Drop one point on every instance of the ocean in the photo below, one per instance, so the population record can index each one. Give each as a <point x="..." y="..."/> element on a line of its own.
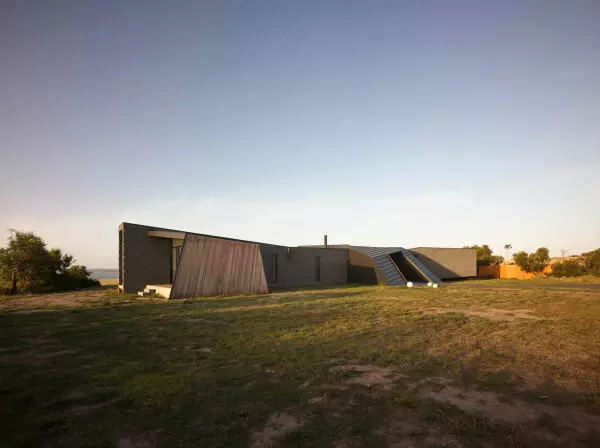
<point x="105" y="274"/>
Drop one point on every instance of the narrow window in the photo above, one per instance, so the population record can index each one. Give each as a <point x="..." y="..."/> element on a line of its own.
<point x="274" y="268"/>
<point x="318" y="268"/>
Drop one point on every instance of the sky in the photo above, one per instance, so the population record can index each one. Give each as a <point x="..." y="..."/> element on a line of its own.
<point x="400" y="123"/>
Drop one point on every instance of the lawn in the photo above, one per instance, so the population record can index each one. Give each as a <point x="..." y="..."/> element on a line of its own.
<point x="499" y="363"/>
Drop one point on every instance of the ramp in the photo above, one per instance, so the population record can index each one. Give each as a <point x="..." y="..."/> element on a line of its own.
<point x="397" y="265"/>
<point x="389" y="270"/>
<point x="412" y="269"/>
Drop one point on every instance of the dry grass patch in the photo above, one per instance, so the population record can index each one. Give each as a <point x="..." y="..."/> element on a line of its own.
<point x="454" y="366"/>
<point x="276" y="427"/>
<point x="489" y="313"/>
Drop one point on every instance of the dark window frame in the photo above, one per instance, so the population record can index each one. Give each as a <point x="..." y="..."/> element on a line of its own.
<point x="318" y="268"/>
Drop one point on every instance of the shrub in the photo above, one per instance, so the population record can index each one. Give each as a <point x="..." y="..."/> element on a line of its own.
<point x="591" y="262"/>
<point x="26" y="264"/>
<point x="485" y="257"/>
<point x="535" y="262"/>
<point x="568" y="268"/>
<point x="75" y="277"/>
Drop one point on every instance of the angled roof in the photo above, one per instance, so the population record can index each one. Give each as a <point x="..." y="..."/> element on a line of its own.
<point x="376" y="251"/>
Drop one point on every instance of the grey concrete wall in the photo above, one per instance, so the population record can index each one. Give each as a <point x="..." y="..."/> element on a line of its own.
<point x="298" y="268"/>
<point x="362" y="269"/>
<point x="448" y="263"/>
<point x="145" y="260"/>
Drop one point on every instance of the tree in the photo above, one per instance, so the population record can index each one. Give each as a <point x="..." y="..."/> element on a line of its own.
<point x="59" y="263"/>
<point x="485" y="256"/>
<point x="27" y="263"/>
<point x="568" y="268"/>
<point x="507" y="247"/>
<point x="25" y="260"/>
<point x="591" y="262"/>
<point x="534" y="262"/>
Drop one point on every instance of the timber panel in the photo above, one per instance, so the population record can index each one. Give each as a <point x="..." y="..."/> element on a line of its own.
<point x="212" y="267"/>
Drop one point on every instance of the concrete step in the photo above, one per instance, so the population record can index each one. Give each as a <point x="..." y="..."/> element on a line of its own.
<point x="150" y="290"/>
<point x="144" y="293"/>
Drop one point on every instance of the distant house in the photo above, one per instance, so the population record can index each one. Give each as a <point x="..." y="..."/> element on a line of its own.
<point x="179" y="264"/>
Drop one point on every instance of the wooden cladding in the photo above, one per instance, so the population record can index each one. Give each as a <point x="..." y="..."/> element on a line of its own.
<point x="211" y="267"/>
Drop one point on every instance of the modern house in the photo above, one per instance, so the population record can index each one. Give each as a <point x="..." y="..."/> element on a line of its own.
<point x="179" y="264"/>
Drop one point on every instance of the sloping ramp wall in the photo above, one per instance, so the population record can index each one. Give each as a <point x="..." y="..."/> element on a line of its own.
<point x="429" y="276"/>
<point x="212" y="267"/>
<point x="390" y="271"/>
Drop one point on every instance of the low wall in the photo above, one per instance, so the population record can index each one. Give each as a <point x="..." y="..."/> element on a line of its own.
<point x="508" y="271"/>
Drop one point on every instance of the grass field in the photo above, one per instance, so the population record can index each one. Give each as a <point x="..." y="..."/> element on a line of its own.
<point x="492" y="363"/>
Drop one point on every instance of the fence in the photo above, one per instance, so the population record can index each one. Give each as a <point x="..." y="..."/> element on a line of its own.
<point x="508" y="271"/>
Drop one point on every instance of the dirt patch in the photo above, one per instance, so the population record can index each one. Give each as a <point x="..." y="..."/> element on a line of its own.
<point x="568" y="422"/>
<point x="486" y="403"/>
<point x="435" y="380"/>
<point x="41" y="340"/>
<point x="35" y="357"/>
<point x="369" y="375"/>
<point x="135" y="442"/>
<point x="494" y="314"/>
<point x="405" y="430"/>
<point x="277" y="426"/>
<point x="84" y="409"/>
<point x="66" y="299"/>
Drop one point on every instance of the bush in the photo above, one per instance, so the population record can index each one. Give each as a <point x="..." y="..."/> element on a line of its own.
<point x="568" y="268"/>
<point x="485" y="257"/>
<point x="26" y="264"/>
<point x="75" y="277"/>
<point x="532" y="263"/>
<point x="591" y="262"/>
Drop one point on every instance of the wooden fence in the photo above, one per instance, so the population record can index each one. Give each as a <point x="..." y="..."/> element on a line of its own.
<point x="508" y="271"/>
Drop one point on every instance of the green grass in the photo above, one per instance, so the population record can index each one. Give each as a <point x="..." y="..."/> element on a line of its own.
<point x="117" y="371"/>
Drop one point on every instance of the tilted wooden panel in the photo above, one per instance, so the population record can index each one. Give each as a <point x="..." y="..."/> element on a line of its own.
<point x="212" y="267"/>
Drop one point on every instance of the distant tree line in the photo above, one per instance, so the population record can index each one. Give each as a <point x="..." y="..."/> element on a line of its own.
<point x="485" y="257"/>
<point x="26" y="264"/>
<point x="587" y="263"/>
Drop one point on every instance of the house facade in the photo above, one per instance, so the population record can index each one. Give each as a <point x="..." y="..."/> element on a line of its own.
<point x="180" y="264"/>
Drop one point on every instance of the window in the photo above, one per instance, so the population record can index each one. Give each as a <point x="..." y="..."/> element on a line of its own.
<point x="274" y="267"/>
<point x="175" y="258"/>
<point x="318" y="268"/>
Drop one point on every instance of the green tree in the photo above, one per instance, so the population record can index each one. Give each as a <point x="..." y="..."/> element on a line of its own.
<point x="25" y="261"/>
<point x="59" y="263"/>
<point x="568" y="268"/>
<point x="534" y="262"/>
<point x="591" y="262"/>
<point x="485" y="256"/>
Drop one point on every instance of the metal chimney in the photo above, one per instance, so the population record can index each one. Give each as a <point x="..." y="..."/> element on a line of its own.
<point x="325" y="241"/>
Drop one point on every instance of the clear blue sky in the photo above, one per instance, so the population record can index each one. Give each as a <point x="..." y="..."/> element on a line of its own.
<point x="414" y="123"/>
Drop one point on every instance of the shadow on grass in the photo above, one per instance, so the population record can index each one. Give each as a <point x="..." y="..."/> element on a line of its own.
<point x="207" y="376"/>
